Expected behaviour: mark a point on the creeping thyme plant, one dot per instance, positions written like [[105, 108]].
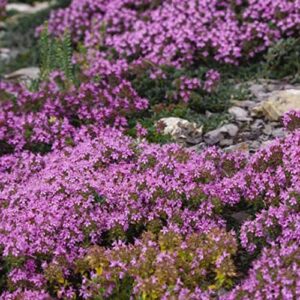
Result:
[[90, 212]]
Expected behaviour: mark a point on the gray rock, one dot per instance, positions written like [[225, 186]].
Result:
[[26, 8], [24, 74], [245, 135], [181, 130], [257, 89], [238, 113], [268, 129], [263, 88], [257, 125], [243, 147], [226, 142], [192, 138], [199, 147], [254, 146], [266, 143], [278, 133], [247, 104], [278, 104], [213, 137], [273, 87], [275, 124], [231, 129], [7, 54], [264, 138], [262, 97], [288, 87], [19, 7]]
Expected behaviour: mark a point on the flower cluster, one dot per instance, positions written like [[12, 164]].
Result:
[[212, 79], [87, 212], [274, 276], [52, 115], [291, 120], [26, 295], [166, 266], [112, 213], [186, 86], [276, 231], [180, 32]]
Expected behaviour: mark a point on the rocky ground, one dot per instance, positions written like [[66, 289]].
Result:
[[251, 123]]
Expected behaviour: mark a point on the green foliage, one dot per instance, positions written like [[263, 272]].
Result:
[[163, 90], [216, 101], [283, 59], [147, 120], [56, 54]]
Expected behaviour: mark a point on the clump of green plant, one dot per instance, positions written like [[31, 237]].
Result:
[[283, 59], [56, 54], [216, 101], [153, 135], [167, 86]]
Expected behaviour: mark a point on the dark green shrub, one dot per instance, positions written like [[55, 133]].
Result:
[[283, 59]]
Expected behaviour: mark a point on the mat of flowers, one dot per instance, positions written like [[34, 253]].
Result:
[[87, 212]]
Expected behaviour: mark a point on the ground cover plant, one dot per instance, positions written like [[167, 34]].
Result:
[[95, 203], [113, 218]]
